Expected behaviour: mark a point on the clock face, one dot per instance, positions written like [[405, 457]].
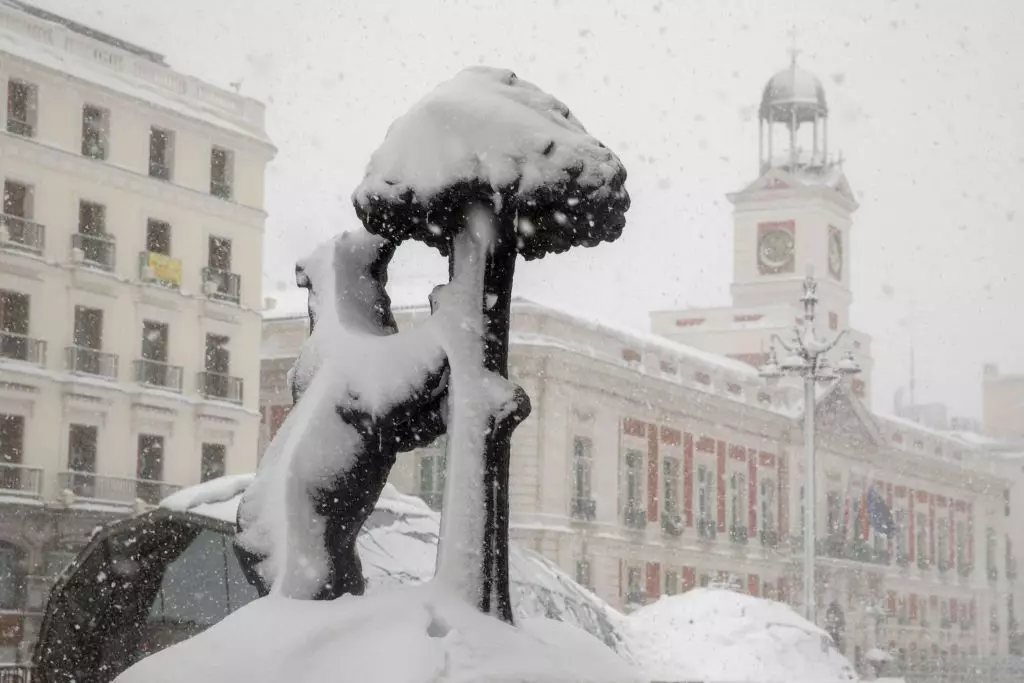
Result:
[[775, 251], [835, 253]]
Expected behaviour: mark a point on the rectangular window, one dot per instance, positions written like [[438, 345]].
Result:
[[82, 448], [222, 172], [158, 237], [92, 218], [88, 332], [583, 572], [154, 341], [767, 519], [671, 583], [991, 551], [214, 461], [22, 100], [942, 541], [433, 470], [962, 554], [834, 519], [95, 131], [634, 585], [670, 479], [149, 468], [900, 520], [737, 500], [635, 511], [17, 200], [582, 465], [161, 152], [218, 357], [706, 500], [14, 340], [220, 254], [12, 448], [705, 580], [921, 541]]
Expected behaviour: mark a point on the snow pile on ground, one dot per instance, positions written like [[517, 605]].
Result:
[[713, 635], [412, 634]]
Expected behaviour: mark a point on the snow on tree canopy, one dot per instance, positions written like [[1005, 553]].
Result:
[[488, 135]]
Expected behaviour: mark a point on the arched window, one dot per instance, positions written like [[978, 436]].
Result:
[[12, 576]]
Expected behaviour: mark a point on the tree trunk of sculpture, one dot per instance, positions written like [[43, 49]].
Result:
[[496, 305]]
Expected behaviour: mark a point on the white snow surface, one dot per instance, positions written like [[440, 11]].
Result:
[[718, 635], [484, 124], [411, 634]]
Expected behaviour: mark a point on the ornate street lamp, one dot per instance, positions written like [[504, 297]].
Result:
[[805, 358]]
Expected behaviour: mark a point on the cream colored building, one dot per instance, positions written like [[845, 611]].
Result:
[[130, 290], [650, 466], [1002, 397]]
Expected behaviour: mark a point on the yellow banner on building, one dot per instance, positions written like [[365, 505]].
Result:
[[165, 268]]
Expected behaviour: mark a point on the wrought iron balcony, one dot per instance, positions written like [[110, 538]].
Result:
[[94, 250], [19, 127], [584, 509], [672, 524], [635, 517], [21, 234], [707, 528], [154, 373], [769, 538], [221, 189], [114, 490], [738, 534], [19, 480], [159, 170], [91, 362], [23, 348], [219, 387], [222, 285], [635, 598]]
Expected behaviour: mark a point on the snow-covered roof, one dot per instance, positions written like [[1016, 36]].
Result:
[[714, 634], [127, 70], [794, 89]]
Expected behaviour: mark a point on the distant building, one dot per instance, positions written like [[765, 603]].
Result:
[[1002, 400], [650, 466], [130, 289]]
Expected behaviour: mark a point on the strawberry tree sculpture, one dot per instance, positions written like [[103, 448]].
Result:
[[485, 168]]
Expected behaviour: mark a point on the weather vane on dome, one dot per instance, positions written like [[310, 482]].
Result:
[[793, 49]]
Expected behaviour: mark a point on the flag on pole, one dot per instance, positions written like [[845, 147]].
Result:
[[879, 514]]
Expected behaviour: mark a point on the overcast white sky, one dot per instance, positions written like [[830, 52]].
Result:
[[926, 101]]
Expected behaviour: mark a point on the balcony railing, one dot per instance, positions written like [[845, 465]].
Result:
[[116, 490], [159, 170], [220, 387], [21, 347], [19, 127], [738, 534], [91, 362], [154, 373], [221, 189], [769, 538], [635, 518], [222, 285], [672, 523], [635, 597], [18, 480], [707, 528], [21, 234], [159, 269], [584, 509], [96, 250]]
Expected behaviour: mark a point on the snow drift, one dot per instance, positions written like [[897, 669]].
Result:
[[711, 634]]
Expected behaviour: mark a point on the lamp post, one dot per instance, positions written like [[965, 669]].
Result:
[[806, 358]]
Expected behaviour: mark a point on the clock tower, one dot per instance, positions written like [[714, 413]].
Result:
[[794, 218]]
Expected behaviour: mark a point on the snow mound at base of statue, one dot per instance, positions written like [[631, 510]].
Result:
[[409, 634], [716, 634]]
